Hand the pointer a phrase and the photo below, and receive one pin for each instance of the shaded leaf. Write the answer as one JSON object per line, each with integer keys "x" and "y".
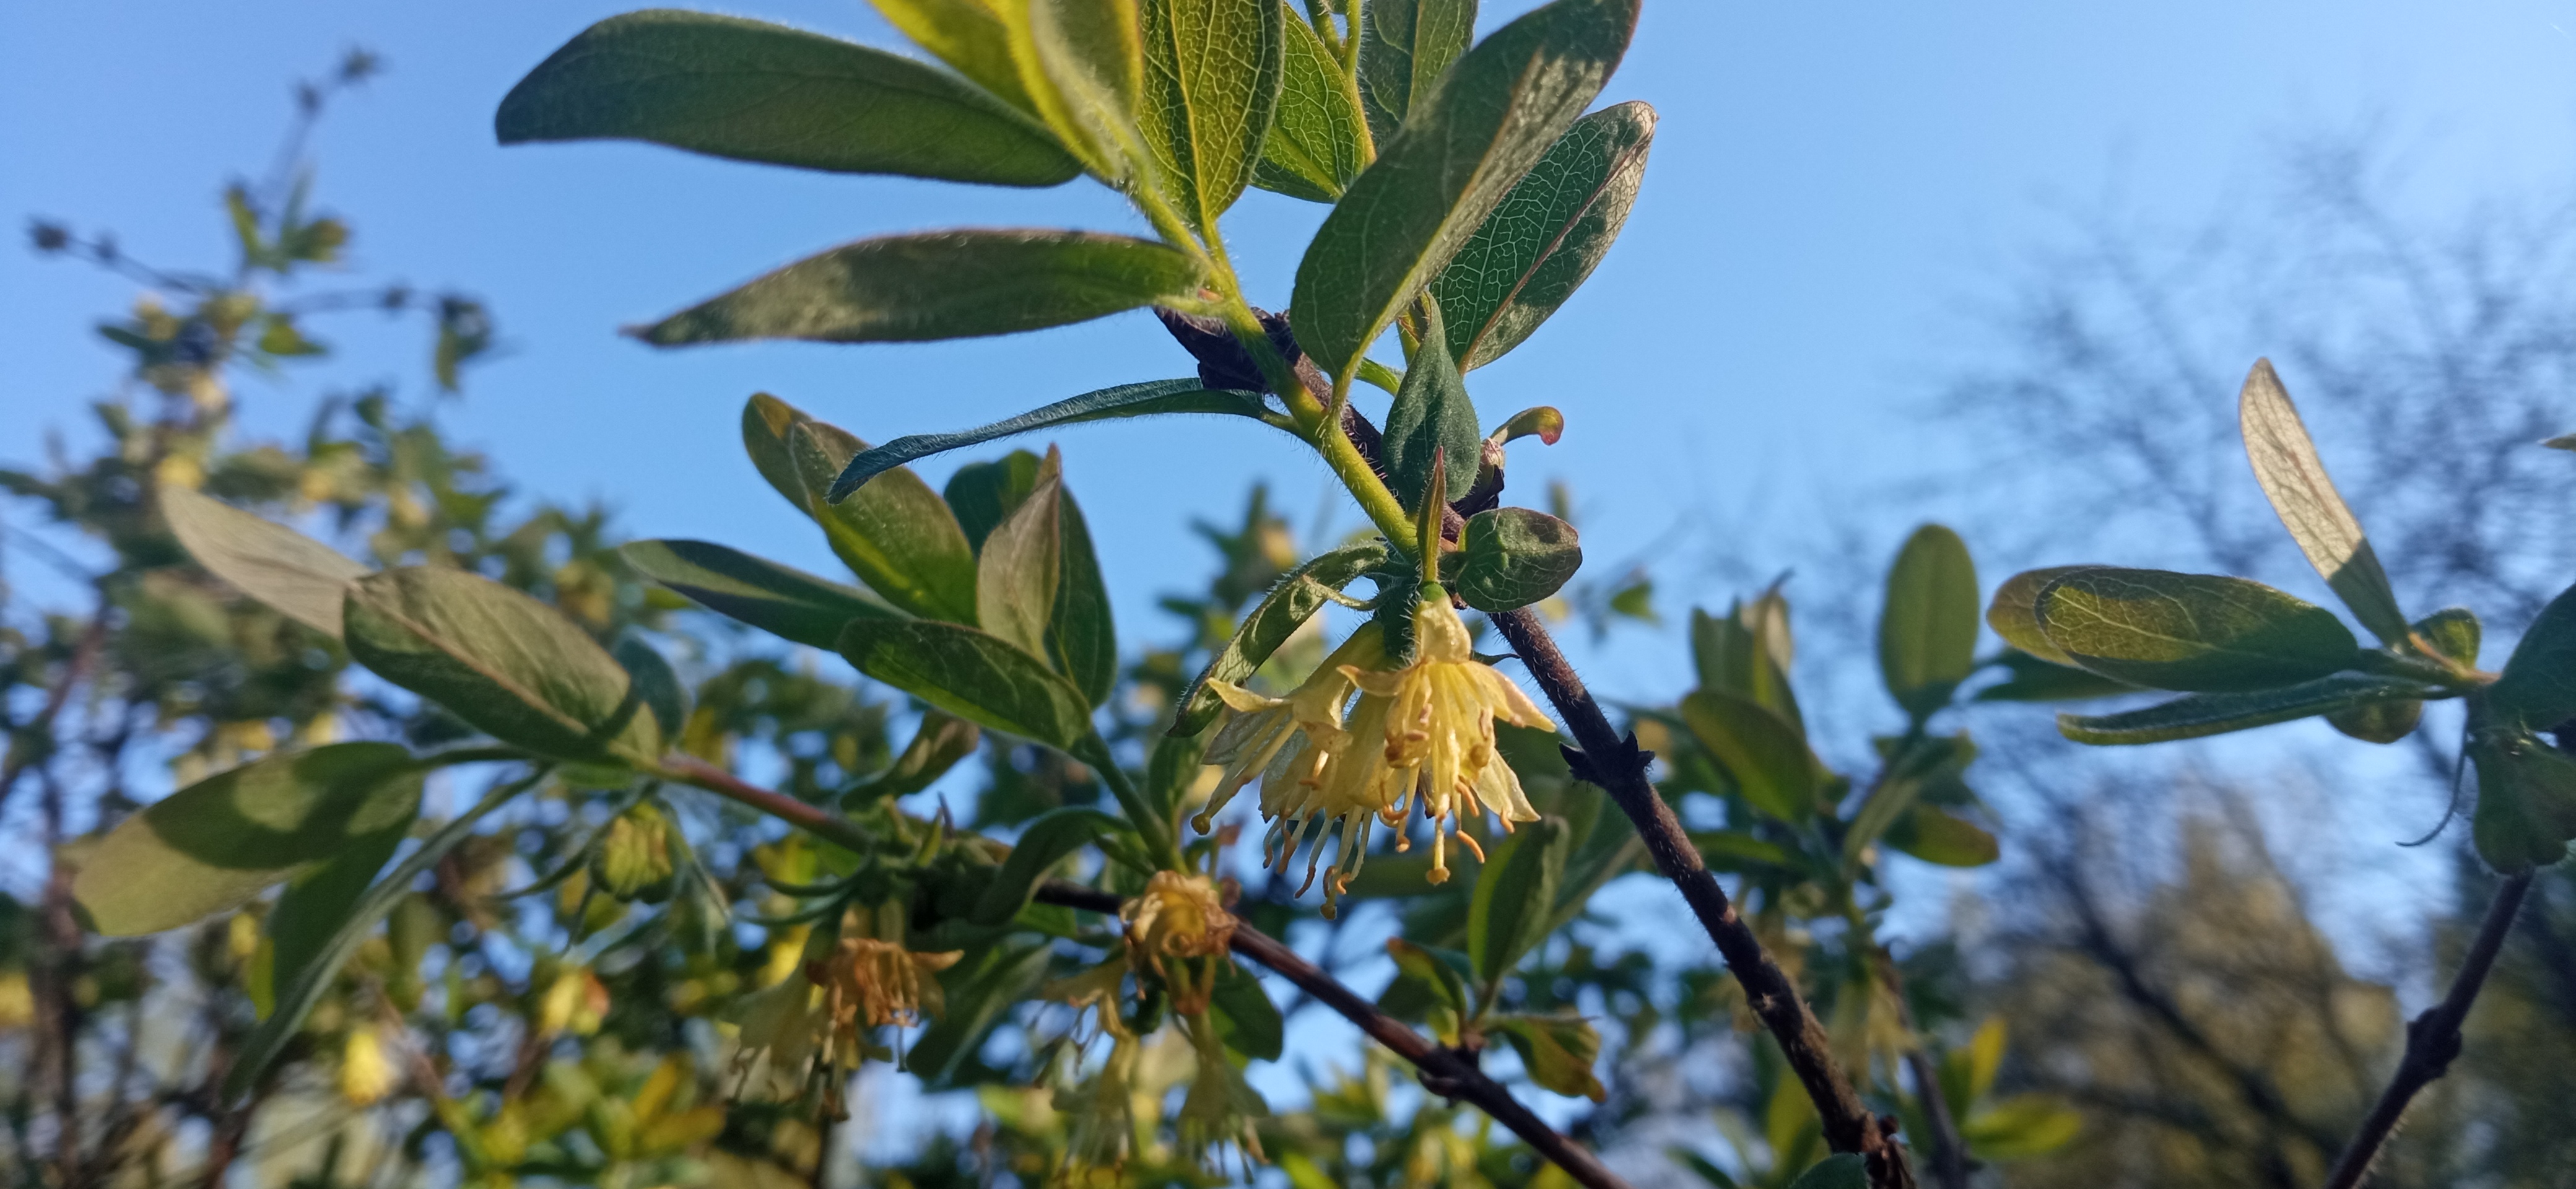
{"x": 1546, "y": 236}
{"x": 1766, "y": 758}
{"x": 2295, "y": 480}
{"x": 215, "y": 844}
{"x": 1432, "y": 417}
{"x": 1516, "y": 896}
{"x": 1501, "y": 106}
{"x": 938, "y": 744}
{"x": 767, "y": 423}
{"x": 1287, "y": 607}
{"x": 1150, "y": 398}
{"x": 1513, "y": 557}
{"x": 1022, "y": 560}
{"x": 980, "y": 678}
{"x": 785, "y": 602}
{"x": 1842, "y": 1170}
{"x": 2216, "y": 714}
{"x": 2526, "y": 798}
{"x": 2383, "y": 721}
{"x": 1441, "y": 974}
{"x": 502, "y": 661}
{"x": 1082, "y": 635}
{"x": 898, "y": 536}
{"x": 1211, "y": 84}
{"x": 656, "y": 682}
{"x": 2452, "y": 632}
{"x": 982, "y": 493}
{"x": 754, "y": 91}
{"x": 317, "y": 902}
{"x": 1317, "y": 137}
{"x": 2198, "y": 632}
{"x": 292, "y": 574}
{"x": 976, "y": 995}
{"x": 1558, "y": 1051}
{"x": 2538, "y": 686}
{"x": 1054, "y": 835}
{"x": 2021, "y": 1127}
{"x": 940, "y": 285}
{"x": 1935, "y": 836}
{"x": 1246, "y": 1020}
{"x": 1927, "y": 632}
{"x": 2036, "y": 680}
{"x": 1405, "y": 46}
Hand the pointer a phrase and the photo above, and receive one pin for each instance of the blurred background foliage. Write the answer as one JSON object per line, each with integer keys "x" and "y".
{"x": 2112, "y": 1004}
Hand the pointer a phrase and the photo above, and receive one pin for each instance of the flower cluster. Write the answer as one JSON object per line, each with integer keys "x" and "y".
{"x": 1175, "y": 929}
{"x": 817, "y": 1026}
{"x": 1418, "y": 736}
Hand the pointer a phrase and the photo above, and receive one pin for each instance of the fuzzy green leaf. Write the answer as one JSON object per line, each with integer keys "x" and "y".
{"x": 785, "y": 602}
{"x": 508, "y": 664}
{"x": 1513, "y": 557}
{"x": 1315, "y": 142}
{"x": 977, "y": 677}
{"x": 753, "y": 91}
{"x": 1082, "y": 63}
{"x": 1405, "y": 46}
{"x": 215, "y": 844}
{"x": 1147, "y": 399}
{"x": 1082, "y": 637}
{"x": 1492, "y": 118}
{"x": 2197, "y": 715}
{"x": 969, "y": 36}
{"x": 2196, "y": 632}
{"x": 292, "y": 574}
{"x": 1546, "y": 236}
{"x": 1431, "y": 417}
{"x": 1927, "y": 632}
{"x": 898, "y": 536}
{"x": 1212, "y": 70}
{"x": 1022, "y": 561}
{"x": 940, "y": 285}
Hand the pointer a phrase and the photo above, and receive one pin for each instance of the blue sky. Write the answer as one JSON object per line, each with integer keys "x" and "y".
{"x": 1834, "y": 189}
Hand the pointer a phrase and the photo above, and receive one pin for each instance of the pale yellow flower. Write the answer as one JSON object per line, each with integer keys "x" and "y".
{"x": 1278, "y": 739}
{"x": 1428, "y": 729}
{"x": 367, "y": 1071}
{"x": 819, "y": 1025}
{"x": 1179, "y": 921}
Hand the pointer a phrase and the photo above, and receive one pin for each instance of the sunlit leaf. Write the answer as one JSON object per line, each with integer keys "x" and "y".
{"x": 2198, "y": 632}
{"x": 1927, "y": 629}
{"x": 2294, "y": 478}
{"x": 293, "y": 574}
{"x": 1211, "y": 84}
{"x": 785, "y": 602}
{"x": 1546, "y": 236}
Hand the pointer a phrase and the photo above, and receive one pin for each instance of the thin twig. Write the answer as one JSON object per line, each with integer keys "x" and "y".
{"x": 1614, "y": 764}
{"x": 1445, "y": 1071}
{"x": 2433, "y": 1038}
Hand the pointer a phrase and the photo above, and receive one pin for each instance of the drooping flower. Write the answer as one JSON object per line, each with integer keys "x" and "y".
{"x": 1427, "y": 731}
{"x": 818, "y": 1023}
{"x": 1220, "y": 1107}
{"x": 1179, "y": 929}
{"x": 1288, "y": 742}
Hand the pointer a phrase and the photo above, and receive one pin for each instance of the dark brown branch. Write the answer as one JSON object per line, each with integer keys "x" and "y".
{"x": 1616, "y": 765}
{"x": 1445, "y": 1071}
{"x": 2433, "y": 1038}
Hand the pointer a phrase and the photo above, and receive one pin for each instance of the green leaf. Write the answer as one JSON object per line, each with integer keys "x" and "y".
{"x": 296, "y": 999}
{"x": 1431, "y": 417}
{"x": 1082, "y": 63}
{"x": 1285, "y": 609}
{"x": 2452, "y": 632}
{"x": 1546, "y": 236}
{"x": 982, "y": 679}
{"x": 977, "y": 994}
{"x": 2538, "y": 686}
{"x": 2384, "y": 721}
{"x": 1748, "y": 653}
{"x": 1558, "y": 1051}
{"x": 1516, "y": 896}
{"x": 1150, "y": 398}
{"x": 292, "y": 574}
{"x": 1082, "y": 636}
{"x": 2295, "y": 480}
{"x": 2036, "y": 680}
{"x": 2021, "y": 1127}
{"x": 767, "y": 423}
{"x": 215, "y": 844}
{"x": 1737, "y": 851}
{"x": 967, "y": 35}
{"x": 1843, "y": 1170}
{"x": 938, "y": 744}
{"x": 1927, "y": 635}
{"x": 1022, "y": 560}
{"x": 1701, "y": 1167}
{"x": 898, "y": 536}
{"x": 1048, "y": 839}
{"x": 1315, "y": 144}
{"x": 657, "y": 682}
{"x": 2198, "y": 632}
{"x": 1458, "y": 154}
{"x": 1929, "y": 833}
{"x": 2526, "y": 797}
{"x": 1766, "y": 757}
{"x": 1513, "y": 557}
{"x": 508, "y": 664}
{"x": 1246, "y": 1020}
{"x": 785, "y": 602}
{"x": 1405, "y": 46}
{"x": 2014, "y": 613}
{"x": 753, "y": 91}
{"x": 1439, "y": 974}
{"x": 2217, "y": 714}
{"x": 982, "y": 493}
{"x": 318, "y": 900}
{"x": 1211, "y": 79}
{"x": 940, "y": 285}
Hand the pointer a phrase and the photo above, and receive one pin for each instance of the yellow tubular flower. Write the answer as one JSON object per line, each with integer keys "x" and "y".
{"x": 819, "y": 1025}
{"x": 1270, "y": 737}
{"x": 1437, "y": 732}
{"x": 1179, "y": 921}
